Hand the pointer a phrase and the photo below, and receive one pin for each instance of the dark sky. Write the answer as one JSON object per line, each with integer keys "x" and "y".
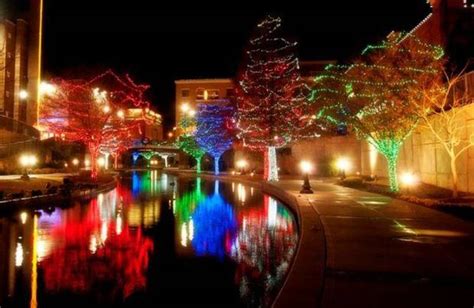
{"x": 157, "y": 44}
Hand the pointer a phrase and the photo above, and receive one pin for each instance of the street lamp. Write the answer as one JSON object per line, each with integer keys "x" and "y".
{"x": 343, "y": 164}
{"x": 408, "y": 180}
{"x": 306, "y": 168}
{"x": 241, "y": 164}
{"x": 184, "y": 107}
{"x": 27, "y": 161}
{"x": 23, "y": 94}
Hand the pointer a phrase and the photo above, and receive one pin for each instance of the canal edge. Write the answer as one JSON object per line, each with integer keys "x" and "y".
{"x": 304, "y": 282}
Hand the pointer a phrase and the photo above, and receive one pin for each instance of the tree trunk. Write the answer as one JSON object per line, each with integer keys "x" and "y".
{"x": 216, "y": 164}
{"x": 266, "y": 163}
{"x": 94, "y": 152}
{"x": 454, "y": 173}
{"x": 116, "y": 161}
{"x": 392, "y": 173}
{"x": 270, "y": 164}
{"x": 106, "y": 161}
{"x": 198, "y": 165}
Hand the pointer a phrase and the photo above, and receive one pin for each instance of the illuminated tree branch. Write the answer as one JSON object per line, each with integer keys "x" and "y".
{"x": 92, "y": 111}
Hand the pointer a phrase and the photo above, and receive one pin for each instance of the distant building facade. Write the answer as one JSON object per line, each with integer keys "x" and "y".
{"x": 20, "y": 70}
{"x": 451, "y": 25}
{"x": 151, "y": 126}
{"x": 191, "y": 92}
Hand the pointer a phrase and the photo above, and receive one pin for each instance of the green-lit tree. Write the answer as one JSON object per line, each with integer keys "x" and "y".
{"x": 376, "y": 96}
{"x": 187, "y": 140}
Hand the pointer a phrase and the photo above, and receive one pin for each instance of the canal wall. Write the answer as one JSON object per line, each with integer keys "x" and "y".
{"x": 303, "y": 285}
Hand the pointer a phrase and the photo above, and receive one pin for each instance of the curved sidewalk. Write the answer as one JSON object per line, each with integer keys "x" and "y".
{"x": 379, "y": 252}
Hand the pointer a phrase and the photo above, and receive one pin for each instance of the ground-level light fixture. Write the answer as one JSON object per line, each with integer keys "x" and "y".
{"x": 170, "y": 134}
{"x": 75, "y": 162}
{"x": 343, "y": 165}
{"x": 408, "y": 180}
{"x": 27, "y": 161}
{"x": 306, "y": 167}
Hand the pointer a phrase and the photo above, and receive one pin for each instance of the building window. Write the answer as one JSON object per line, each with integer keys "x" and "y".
{"x": 213, "y": 94}
{"x": 185, "y": 93}
{"x": 229, "y": 92}
{"x": 200, "y": 93}
{"x": 9, "y": 35}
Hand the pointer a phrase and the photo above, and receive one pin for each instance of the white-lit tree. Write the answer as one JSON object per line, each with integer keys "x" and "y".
{"x": 272, "y": 104}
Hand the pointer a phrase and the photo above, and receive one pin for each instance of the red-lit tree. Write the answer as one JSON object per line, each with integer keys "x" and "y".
{"x": 92, "y": 111}
{"x": 271, "y": 96}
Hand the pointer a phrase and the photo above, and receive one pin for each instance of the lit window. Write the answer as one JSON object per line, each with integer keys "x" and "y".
{"x": 200, "y": 93}
{"x": 213, "y": 94}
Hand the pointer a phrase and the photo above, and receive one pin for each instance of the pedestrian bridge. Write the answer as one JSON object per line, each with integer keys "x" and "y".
{"x": 149, "y": 151}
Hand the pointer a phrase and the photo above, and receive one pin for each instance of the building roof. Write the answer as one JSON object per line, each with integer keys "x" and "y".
{"x": 208, "y": 80}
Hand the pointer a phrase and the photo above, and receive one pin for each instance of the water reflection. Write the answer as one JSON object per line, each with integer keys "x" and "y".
{"x": 138, "y": 239}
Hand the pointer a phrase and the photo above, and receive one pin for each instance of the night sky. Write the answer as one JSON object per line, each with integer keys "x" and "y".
{"x": 157, "y": 44}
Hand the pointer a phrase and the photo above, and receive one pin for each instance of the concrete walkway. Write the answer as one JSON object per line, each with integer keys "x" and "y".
{"x": 379, "y": 252}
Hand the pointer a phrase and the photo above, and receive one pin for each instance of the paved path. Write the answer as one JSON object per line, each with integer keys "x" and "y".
{"x": 51, "y": 176}
{"x": 382, "y": 252}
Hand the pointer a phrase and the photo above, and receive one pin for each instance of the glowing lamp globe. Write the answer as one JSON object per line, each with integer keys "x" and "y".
{"x": 23, "y": 94}
{"x": 241, "y": 163}
{"x": 306, "y": 166}
{"x": 184, "y": 107}
{"x": 343, "y": 164}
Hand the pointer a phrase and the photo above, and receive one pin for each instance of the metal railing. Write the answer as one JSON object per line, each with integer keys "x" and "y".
{"x": 18, "y": 127}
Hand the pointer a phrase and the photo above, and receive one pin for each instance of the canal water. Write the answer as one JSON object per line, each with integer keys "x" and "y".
{"x": 155, "y": 240}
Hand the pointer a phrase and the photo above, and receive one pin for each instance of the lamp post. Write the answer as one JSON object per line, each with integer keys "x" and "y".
{"x": 241, "y": 164}
{"x": 27, "y": 161}
{"x": 306, "y": 168}
{"x": 343, "y": 165}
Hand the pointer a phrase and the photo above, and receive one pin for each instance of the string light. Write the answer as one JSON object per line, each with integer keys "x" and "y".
{"x": 77, "y": 112}
{"x": 214, "y": 130}
{"x": 187, "y": 141}
{"x": 375, "y": 95}
{"x": 271, "y": 95}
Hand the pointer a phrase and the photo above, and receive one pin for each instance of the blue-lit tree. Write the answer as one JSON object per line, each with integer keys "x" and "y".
{"x": 214, "y": 130}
